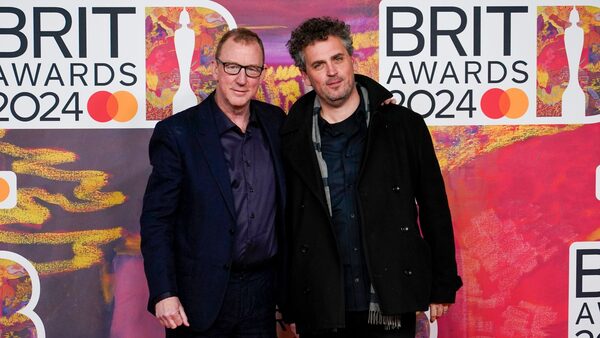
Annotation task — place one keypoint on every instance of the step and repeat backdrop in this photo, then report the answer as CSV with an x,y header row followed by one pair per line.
x,y
509,89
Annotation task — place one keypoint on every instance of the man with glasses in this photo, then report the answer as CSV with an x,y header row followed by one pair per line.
x,y
211,220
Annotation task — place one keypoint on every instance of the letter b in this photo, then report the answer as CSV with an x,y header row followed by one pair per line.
x,y
581,272
15,31
414,30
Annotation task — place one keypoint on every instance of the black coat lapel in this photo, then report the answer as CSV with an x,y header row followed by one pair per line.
x,y
271,126
209,142
300,154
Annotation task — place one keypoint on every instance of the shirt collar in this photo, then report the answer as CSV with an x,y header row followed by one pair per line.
x,y
349,125
224,124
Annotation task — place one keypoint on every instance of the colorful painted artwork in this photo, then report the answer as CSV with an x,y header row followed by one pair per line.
x,y
516,210
552,62
15,293
162,67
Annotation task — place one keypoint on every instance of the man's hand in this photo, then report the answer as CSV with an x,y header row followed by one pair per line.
x,y
287,331
437,310
170,313
391,100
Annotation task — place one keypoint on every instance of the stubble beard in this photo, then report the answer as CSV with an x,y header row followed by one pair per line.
x,y
339,99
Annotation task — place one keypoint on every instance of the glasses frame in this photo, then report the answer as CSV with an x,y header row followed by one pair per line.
x,y
226,64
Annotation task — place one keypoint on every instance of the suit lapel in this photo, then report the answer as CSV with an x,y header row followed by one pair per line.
x,y
271,129
303,160
209,142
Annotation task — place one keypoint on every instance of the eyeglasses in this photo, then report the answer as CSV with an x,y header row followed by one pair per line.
x,y
233,68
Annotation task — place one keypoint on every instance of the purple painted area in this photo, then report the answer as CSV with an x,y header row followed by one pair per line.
x,y
130,296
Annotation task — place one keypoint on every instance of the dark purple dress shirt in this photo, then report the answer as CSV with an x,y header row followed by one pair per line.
x,y
252,178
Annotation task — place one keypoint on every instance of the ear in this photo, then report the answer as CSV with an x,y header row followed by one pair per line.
x,y
354,64
214,67
305,79
262,75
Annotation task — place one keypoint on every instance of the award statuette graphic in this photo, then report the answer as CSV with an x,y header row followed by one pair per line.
x,y
184,49
180,44
573,99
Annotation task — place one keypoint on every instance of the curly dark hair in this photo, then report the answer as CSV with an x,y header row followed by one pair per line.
x,y
317,29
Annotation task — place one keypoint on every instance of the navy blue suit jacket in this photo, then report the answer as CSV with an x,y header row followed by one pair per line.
x,y
188,217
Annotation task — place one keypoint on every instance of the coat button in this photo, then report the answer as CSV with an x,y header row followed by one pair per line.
x,y
408,272
396,188
306,291
304,249
302,206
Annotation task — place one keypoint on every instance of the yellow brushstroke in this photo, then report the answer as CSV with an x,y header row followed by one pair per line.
x,y
369,67
290,91
594,236
368,39
165,99
151,81
553,97
8,322
284,73
41,162
494,137
131,244
542,78
269,88
85,245
107,282
204,70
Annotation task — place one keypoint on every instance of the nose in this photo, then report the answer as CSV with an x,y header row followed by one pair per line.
x,y
331,69
241,78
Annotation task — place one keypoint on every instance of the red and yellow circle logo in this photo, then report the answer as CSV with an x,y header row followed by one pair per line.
x,y
104,106
8,190
497,103
4,189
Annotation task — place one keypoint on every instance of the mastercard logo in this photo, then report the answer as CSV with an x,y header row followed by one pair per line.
x,y
497,103
8,190
104,106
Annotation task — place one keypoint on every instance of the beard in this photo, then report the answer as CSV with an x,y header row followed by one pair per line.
x,y
339,96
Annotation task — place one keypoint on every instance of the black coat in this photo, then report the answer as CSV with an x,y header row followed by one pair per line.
x,y
400,187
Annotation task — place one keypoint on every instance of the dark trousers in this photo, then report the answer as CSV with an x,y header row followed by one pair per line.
x,y
358,327
248,310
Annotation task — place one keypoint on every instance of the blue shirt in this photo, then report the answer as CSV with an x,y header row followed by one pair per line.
x,y
253,185
342,146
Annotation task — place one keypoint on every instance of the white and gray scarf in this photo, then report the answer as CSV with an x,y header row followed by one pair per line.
x,y
376,317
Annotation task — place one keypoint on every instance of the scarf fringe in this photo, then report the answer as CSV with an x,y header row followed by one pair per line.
x,y
377,318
